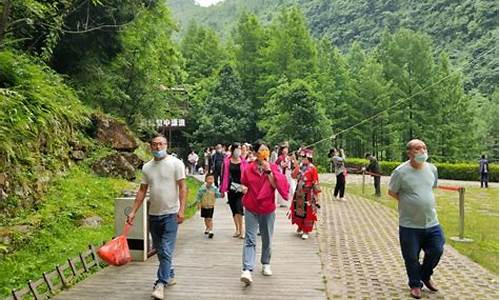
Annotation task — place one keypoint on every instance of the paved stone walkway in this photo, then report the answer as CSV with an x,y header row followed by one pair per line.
x,y
361,258
210,268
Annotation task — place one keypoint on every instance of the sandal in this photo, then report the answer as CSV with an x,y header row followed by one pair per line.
x,y
236,234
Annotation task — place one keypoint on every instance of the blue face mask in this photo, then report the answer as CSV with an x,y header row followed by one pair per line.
x,y
421,157
160,153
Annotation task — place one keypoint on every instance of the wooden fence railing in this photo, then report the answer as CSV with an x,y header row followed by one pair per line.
x,y
61,277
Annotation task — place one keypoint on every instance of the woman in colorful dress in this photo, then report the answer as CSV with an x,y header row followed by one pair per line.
x,y
303,210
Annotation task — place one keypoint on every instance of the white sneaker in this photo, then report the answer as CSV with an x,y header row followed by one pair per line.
x,y
305,236
266,270
343,200
246,277
158,291
299,232
171,282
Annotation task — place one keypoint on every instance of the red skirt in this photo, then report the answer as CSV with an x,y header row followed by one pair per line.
x,y
304,219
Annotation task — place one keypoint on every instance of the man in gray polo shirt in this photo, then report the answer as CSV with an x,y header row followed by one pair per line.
x,y
411,184
164,175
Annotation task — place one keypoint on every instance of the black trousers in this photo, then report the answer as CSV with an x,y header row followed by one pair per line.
x,y
218,178
484,179
340,186
376,184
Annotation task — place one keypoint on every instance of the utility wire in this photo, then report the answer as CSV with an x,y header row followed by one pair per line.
x,y
392,106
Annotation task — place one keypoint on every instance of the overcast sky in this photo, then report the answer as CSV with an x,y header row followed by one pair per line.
x,y
207,2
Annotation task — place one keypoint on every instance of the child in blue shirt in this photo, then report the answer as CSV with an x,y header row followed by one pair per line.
x,y
207,193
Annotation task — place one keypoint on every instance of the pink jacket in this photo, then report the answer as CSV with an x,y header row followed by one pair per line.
x,y
224,185
260,195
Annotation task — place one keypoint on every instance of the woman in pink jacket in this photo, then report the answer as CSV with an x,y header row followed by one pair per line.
x,y
232,171
260,180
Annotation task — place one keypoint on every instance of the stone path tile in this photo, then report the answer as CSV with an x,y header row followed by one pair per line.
x,y
361,257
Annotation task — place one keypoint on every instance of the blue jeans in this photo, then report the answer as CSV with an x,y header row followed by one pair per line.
x,y
254,222
412,241
164,233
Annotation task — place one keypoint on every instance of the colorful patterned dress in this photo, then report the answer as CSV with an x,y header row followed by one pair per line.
x,y
303,210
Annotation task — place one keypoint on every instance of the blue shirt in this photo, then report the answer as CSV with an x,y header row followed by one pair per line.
x,y
417,206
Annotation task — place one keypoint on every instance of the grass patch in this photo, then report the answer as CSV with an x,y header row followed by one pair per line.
x,y
481,219
193,186
56,235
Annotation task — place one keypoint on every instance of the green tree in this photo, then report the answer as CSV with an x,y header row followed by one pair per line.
x,y
295,114
374,94
225,117
249,41
408,62
202,52
486,125
455,139
290,51
337,86
135,84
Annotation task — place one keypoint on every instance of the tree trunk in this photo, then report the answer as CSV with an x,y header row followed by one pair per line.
x,y
4,18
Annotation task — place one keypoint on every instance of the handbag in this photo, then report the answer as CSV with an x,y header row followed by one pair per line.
x,y
236,187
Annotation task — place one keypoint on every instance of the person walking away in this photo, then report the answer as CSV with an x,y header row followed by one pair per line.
x,y
217,161
231,184
303,211
193,161
164,175
411,185
331,154
206,160
245,151
484,171
284,164
374,168
260,180
205,198
274,155
338,160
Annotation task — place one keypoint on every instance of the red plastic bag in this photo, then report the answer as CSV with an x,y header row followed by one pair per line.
x,y
116,252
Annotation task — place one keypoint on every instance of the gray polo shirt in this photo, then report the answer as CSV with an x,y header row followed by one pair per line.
x,y
417,206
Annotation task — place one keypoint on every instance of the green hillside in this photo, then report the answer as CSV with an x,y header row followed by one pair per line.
x,y
464,29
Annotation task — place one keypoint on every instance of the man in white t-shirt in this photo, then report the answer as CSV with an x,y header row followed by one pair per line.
x,y
193,161
165,176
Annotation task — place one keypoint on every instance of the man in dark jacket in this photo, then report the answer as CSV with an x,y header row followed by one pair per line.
x,y
484,170
217,160
374,168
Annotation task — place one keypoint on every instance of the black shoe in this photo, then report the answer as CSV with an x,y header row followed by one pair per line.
x,y
430,285
210,235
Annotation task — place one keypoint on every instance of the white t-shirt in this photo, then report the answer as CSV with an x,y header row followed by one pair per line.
x,y
193,158
161,177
